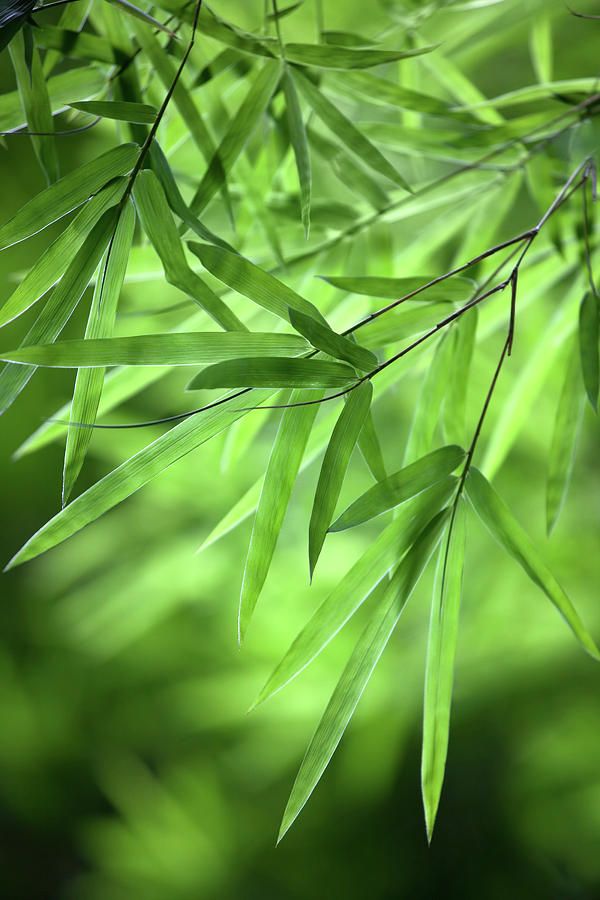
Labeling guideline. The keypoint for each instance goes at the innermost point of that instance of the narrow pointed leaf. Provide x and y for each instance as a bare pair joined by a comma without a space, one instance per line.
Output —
300,147
178,349
401,486
567,424
335,463
495,514
427,413
358,584
329,56
370,447
346,131
141,14
67,194
455,403
240,130
439,669
382,91
47,270
284,465
324,338
453,289
121,110
101,320
130,476
282,373
359,669
253,282
589,328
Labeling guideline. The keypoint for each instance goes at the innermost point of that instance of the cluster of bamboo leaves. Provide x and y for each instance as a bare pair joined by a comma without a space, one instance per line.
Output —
241,217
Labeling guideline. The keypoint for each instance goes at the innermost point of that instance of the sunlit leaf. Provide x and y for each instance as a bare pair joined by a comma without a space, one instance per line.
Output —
359,669
401,486
589,329
496,515
282,373
463,338
120,110
327,340
328,56
453,289
300,147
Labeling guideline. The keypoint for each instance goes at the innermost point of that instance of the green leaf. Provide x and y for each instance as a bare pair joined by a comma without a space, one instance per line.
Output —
33,91
236,137
381,91
101,320
328,341
335,463
177,349
76,84
77,44
346,132
47,270
121,110
369,446
463,337
328,56
495,514
67,194
359,669
350,172
427,413
400,486
130,476
453,289
300,147
284,464
158,224
439,669
540,47
358,584
282,373
253,282
589,327
567,424
60,305
141,14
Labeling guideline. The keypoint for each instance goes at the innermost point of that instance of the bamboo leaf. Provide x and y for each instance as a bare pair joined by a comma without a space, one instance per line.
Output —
369,446
158,224
540,47
76,84
400,486
346,132
567,424
284,464
499,520
77,45
589,328
176,349
47,270
120,110
430,401
240,130
359,669
67,194
60,305
130,476
358,584
253,282
463,339
300,147
453,289
382,91
329,56
282,373
333,470
439,669
101,320
141,14
328,341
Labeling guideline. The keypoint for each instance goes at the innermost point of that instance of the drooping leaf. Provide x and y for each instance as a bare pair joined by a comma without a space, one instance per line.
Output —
346,132
67,194
158,224
567,423
68,87
103,311
358,584
370,447
47,270
427,411
284,464
359,669
401,486
121,110
238,134
540,46
589,335
327,340
453,289
328,56
141,14
281,373
60,306
175,349
439,668
130,476
463,338
333,470
300,147
77,44
253,282
382,91
496,515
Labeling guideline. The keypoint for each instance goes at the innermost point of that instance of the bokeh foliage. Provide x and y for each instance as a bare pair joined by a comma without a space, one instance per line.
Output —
128,765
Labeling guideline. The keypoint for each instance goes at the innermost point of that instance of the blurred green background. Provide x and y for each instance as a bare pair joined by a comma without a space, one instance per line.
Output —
129,767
